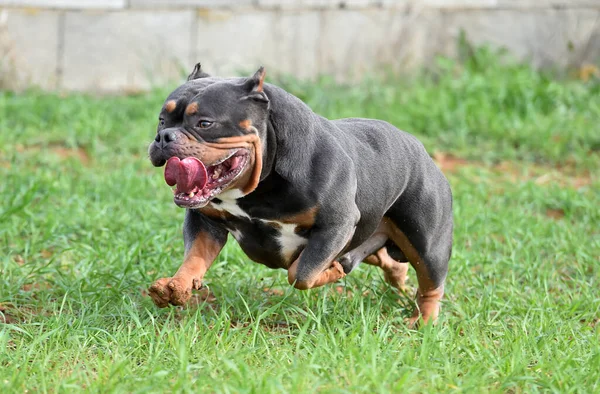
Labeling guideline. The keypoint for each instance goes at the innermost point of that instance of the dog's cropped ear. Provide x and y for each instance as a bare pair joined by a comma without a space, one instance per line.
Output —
197,73
254,86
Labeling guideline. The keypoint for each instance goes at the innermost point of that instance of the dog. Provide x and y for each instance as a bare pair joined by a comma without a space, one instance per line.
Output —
297,191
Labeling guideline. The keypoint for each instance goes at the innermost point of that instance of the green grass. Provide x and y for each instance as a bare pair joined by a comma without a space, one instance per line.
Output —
86,224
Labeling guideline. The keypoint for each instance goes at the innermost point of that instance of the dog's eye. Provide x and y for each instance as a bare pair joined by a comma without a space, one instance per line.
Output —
161,121
203,124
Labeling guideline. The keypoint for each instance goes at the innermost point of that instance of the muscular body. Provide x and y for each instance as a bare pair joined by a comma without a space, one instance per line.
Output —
300,192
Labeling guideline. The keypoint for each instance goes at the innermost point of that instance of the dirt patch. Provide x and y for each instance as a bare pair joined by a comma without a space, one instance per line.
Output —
77,153
590,323
276,292
451,163
35,287
45,253
515,171
7,316
14,314
63,152
555,214
563,177
277,326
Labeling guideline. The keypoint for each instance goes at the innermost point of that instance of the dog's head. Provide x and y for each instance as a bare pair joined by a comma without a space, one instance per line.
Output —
209,133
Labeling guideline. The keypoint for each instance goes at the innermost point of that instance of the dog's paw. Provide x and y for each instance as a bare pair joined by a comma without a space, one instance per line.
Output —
174,291
416,321
426,311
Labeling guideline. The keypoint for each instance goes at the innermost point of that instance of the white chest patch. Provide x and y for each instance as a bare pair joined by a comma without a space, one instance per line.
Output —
229,203
232,194
288,240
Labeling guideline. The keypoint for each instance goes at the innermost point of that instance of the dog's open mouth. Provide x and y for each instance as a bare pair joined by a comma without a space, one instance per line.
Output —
195,184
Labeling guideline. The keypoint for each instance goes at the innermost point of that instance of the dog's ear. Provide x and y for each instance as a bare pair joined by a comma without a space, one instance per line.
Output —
254,86
197,73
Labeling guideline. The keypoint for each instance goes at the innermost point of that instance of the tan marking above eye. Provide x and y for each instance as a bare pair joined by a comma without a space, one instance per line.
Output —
191,109
245,124
171,105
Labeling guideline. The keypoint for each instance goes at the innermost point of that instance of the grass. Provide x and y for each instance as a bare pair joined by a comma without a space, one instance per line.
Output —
86,224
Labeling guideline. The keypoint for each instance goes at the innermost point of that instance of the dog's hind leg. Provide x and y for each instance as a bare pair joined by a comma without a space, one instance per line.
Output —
394,271
374,252
429,275
354,257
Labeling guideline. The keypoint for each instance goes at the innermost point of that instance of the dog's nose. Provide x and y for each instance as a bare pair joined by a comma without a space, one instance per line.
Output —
166,136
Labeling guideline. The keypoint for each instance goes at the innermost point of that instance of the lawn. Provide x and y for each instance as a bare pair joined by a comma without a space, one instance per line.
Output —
86,224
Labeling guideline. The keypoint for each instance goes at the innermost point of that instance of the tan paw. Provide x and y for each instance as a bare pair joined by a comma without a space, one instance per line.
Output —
426,312
416,320
174,291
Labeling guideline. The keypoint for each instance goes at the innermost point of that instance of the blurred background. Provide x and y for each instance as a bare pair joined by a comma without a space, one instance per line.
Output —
504,94
133,45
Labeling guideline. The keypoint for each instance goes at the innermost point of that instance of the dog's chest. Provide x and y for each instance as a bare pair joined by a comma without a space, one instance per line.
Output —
270,242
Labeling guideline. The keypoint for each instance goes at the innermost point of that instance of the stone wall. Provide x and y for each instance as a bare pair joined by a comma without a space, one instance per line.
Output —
131,45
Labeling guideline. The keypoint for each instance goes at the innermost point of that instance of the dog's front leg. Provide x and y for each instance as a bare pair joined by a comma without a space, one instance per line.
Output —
316,265
203,241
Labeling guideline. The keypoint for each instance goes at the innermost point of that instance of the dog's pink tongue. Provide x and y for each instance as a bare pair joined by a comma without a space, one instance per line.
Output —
187,174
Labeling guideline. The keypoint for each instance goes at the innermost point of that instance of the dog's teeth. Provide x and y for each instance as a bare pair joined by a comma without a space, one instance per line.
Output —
192,194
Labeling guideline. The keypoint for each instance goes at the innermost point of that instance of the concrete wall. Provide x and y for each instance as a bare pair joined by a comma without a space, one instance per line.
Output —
130,45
